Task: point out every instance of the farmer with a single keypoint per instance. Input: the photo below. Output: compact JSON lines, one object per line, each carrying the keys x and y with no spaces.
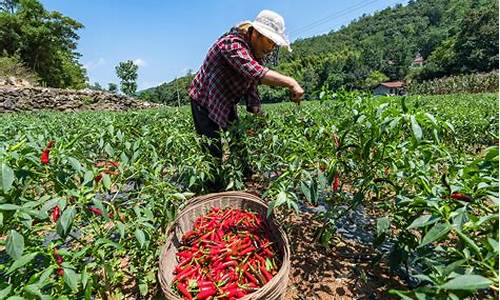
{"x":232,"y":70}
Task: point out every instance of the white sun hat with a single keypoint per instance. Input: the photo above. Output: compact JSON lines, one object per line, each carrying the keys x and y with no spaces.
{"x":271,"y":25}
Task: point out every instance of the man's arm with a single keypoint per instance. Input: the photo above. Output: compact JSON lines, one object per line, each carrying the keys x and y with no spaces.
{"x":276,"y":79}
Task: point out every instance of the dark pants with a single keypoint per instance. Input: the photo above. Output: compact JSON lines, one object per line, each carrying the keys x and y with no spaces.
{"x":206,"y":127}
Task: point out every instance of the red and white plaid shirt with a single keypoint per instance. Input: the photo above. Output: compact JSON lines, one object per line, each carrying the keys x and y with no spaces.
{"x":230,"y":72}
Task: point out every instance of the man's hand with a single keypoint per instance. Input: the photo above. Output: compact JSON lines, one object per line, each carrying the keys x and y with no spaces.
{"x":274,"y":78}
{"x":256,"y":110}
{"x":297,"y":92}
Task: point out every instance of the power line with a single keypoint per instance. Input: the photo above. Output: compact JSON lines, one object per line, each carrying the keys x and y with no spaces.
{"x":324,"y":20}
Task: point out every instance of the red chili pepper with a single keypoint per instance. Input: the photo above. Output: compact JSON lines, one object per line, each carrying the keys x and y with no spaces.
{"x":247,"y":250}
{"x":461,"y":197}
{"x":266,"y":274}
{"x":50,"y":144}
{"x":251,"y":277}
{"x":186,"y":273}
{"x":44,"y":158}
{"x":206,"y":292}
{"x":98,"y":177}
{"x":56,"y":213}
{"x":183,"y":289}
{"x":335,"y":183}
{"x":59,"y":258}
{"x":95,"y":211}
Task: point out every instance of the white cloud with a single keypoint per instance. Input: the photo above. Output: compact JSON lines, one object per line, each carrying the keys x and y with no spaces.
{"x":140,"y":62}
{"x":92,"y":65}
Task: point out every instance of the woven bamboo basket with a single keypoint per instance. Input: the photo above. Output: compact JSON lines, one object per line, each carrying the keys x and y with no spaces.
{"x":273,"y":290}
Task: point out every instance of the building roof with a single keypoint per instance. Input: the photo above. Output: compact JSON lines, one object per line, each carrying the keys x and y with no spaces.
{"x":392,"y":84}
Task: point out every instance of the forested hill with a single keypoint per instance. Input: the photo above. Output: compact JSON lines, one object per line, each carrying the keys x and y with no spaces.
{"x":451,"y":36}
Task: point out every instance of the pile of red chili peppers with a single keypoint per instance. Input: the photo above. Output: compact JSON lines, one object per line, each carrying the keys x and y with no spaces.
{"x":227,"y":255}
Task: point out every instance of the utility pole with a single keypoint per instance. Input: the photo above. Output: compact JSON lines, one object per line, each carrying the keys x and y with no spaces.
{"x":177,"y":88}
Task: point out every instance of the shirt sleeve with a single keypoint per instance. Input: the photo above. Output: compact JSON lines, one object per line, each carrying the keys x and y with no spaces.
{"x":253,"y":97}
{"x":238,"y":56}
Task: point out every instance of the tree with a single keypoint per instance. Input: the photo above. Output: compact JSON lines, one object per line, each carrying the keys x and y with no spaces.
{"x":477,"y":41}
{"x":45,"y":42}
{"x":374,"y":79}
{"x":112,"y":88}
{"x":9,"y":6}
{"x":127,"y":72}
{"x":96,"y":87}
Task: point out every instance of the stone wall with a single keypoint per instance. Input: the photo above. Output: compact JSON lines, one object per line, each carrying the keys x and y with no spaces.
{"x":28,"y":98}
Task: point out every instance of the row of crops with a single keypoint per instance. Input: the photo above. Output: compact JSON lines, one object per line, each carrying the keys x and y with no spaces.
{"x":85,"y":197}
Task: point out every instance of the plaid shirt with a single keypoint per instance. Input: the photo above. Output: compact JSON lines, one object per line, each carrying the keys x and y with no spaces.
{"x":230,"y":72}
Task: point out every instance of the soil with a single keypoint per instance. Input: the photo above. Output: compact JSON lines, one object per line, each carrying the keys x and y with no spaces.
{"x":347,"y":270}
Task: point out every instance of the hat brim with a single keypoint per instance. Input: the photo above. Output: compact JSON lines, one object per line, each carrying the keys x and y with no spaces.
{"x":275,"y":37}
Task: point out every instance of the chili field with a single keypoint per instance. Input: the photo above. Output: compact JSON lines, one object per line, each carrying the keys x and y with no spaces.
{"x":85,"y":197}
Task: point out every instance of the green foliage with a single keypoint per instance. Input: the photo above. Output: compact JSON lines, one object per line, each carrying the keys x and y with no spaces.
{"x":112,"y":88}
{"x":171,"y":93}
{"x":96,"y":87}
{"x":127,"y":72}
{"x":470,"y":83}
{"x":44,"y":41}
{"x":374,"y":79}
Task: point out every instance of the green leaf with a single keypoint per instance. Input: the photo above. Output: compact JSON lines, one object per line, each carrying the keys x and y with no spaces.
{"x":143,"y":289}
{"x":16,"y":298}
{"x":422,"y":221}
{"x":415,"y":127}
{"x":106,"y":180}
{"x":9,"y":206}
{"x":23,"y":260}
{"x":493,"y":244}
{"x":400,"y":294}
{"x":71,"y":279}
{"x":310,"y":191}
{"x":88,"y":177}
{"x":435,"y":233}
{"x":33,"y":289}
{"x":139,"y":235}
{"x":431,"y":118}
{"x":121,"y":229}
{"x":281,"y":199}
{"x":15,"y":244}
{"x":84,"y":278}
{"x":450,"y":126}
{"x":65,"y":222}
{"x":383,"y":224}
{"x":403,"y":105}
{"x":124,"y":158}
{"x":109,"y":150}
{"x":5,"y":292}
{"x":7,"y":178}
{"x":467,"y":282}
{"x":469,"y":242}
{"x":75,"y":164}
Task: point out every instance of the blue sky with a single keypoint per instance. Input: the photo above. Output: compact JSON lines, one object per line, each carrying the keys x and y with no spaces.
{"x":167,"y":38}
